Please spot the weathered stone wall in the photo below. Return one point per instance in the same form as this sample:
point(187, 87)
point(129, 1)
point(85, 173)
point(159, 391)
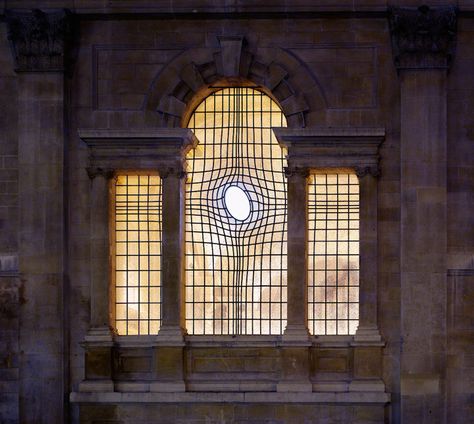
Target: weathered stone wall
point(8, 155)
point(122, 73)
point(460, 237)
point(225, 413)
point(346, 69)
point(9, 281)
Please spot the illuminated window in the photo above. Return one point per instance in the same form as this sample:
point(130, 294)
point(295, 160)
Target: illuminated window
point(137, 254)
point(236, 217)
point(333, 248)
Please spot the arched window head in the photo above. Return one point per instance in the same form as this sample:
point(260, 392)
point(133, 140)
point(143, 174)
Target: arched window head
point(236, 216)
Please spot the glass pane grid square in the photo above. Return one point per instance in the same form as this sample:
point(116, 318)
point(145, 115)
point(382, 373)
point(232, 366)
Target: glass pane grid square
point(333, 261)
point(137, 254)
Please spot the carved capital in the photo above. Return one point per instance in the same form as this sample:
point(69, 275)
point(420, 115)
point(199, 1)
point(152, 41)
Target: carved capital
point(177, 171)
point(292, 171)
point(423, 38)
point(106, 173)
point(39, 40)
point(362, 171)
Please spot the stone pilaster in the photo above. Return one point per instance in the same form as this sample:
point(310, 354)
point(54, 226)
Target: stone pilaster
point(295, 340)
point(297, 326)
point(367, 344)
point(36, 43)
point(99, 236)
point(423, 43)
point(168, 355)
point(367, 330)
point(98, 342)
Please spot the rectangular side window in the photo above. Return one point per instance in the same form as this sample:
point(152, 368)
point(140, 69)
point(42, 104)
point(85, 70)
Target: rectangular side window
point(137, 254)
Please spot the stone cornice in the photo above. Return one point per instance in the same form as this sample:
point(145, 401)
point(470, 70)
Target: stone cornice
point(333, 148)
point(39, 40)
point(424, 37)
point(159, 149)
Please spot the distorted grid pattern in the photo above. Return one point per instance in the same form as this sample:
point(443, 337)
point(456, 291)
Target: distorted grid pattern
point(333, 249)
point(137, 254)
point(236, 263)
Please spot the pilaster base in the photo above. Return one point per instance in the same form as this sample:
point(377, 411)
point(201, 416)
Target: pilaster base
point(368, 335)
point(296, 335)
point(170, 335)
point(98, 345)
point(99, 336)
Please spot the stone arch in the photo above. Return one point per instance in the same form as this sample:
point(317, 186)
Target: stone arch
point(281, 74)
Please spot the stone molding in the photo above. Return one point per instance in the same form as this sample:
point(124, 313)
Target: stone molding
point(311, 148)
point(423, 37)
point(39, 40)
point(163, 150)
point(205, 70)
point(358, 397)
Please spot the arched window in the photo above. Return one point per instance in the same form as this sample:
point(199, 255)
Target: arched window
point(236, 217)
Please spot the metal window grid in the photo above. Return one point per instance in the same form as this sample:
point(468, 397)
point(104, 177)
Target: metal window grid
point(333, 249)
point(236, 270)
point(137, 254)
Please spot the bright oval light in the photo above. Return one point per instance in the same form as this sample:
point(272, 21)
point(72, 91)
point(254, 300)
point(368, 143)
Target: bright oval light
point(237, 203)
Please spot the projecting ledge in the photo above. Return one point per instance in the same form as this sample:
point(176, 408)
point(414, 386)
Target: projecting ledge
point(224, 397)
point(328, 147)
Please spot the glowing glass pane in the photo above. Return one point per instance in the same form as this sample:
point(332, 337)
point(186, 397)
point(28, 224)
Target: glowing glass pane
point(137, 254)
point(333, 260)
point(236, 217)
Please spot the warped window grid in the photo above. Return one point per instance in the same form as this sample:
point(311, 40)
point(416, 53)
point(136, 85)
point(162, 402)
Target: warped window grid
point(333, 249)
point(236, 277)
point(137, 254)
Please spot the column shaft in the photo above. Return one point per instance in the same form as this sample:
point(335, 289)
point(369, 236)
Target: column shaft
point(297, 252)
point(173, 318)
point(41, 245)
point(367, 330)
point(423, 241)
point(100, 248)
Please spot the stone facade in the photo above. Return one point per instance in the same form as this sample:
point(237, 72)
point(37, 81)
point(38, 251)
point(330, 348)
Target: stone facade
point(390, 88)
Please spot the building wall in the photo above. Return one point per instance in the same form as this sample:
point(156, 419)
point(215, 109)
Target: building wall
point(121, 71)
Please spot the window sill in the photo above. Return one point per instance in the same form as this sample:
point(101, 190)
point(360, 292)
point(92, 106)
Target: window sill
point(223, 397)
point(234, 341)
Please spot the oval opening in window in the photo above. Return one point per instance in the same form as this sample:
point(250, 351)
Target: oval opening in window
point(237, 203)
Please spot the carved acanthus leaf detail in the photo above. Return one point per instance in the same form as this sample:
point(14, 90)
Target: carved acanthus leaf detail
point(362, 171)
point(424, 37)
point(39, 40)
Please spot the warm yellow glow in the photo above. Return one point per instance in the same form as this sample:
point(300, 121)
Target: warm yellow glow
point(333, 249)
point(137, 254)
point(236, 247)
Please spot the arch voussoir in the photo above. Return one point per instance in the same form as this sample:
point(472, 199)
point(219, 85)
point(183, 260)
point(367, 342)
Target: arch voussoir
point(194, 69)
